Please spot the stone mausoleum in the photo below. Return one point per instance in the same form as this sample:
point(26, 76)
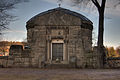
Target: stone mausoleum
point(57, 37)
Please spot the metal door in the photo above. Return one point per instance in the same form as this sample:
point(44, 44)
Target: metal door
point(57, 51)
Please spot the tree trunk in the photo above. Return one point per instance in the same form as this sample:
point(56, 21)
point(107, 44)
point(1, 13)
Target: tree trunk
point(101, 47)
point(101, 28)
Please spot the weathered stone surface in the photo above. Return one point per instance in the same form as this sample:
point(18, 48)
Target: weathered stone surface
point(59, 24)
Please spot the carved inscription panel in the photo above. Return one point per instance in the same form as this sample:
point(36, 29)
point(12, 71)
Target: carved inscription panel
point(56, 32)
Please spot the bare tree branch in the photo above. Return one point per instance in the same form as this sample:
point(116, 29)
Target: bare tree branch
point(103, 4)
point(5, 17)
point(96, 3)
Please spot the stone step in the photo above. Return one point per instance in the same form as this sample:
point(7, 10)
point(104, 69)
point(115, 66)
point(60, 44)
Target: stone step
point(59, 66)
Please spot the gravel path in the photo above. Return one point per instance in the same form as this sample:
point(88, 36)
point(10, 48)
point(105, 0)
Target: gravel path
point(58, 74)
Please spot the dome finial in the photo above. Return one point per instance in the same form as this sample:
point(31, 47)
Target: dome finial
point(59, 5)
point(59, 2)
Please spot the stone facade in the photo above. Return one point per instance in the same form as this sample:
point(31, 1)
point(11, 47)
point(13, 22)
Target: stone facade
point(59, 25)
point(57, 37)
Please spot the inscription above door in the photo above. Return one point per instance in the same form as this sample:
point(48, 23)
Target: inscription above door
point(57, 32)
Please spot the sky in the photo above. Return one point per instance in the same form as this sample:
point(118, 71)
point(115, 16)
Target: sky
point(24, 11)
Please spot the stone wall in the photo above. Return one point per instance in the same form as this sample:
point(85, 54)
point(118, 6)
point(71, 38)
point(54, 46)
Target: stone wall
point(19, 58)
point(113, 62)
point(37, 42)
point(78, 42)
point(89, 60)
point(3, 61)
point(75, 45)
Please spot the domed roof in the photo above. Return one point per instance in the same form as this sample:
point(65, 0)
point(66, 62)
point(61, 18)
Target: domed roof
point(38, 19)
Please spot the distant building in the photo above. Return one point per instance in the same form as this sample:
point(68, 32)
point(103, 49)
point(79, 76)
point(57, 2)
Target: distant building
point(5, 46)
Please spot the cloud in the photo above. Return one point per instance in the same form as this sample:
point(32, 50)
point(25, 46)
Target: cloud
point(14, 35)
point(64, 2)
point(51, 1)
point(14, 31)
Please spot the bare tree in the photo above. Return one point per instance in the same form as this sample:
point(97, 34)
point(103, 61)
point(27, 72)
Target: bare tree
point(5, 16)
point(100, 5)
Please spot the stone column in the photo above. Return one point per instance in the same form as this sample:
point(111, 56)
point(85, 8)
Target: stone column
point(66, 51)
